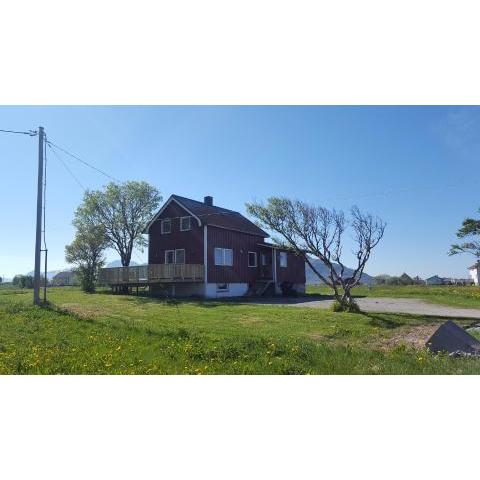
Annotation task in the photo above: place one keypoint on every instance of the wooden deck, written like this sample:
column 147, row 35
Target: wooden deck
column 148, row 274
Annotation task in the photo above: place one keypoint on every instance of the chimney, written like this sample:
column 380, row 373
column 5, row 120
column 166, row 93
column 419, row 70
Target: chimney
column 208, row 200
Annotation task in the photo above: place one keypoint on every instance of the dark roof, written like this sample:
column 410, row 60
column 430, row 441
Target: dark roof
column 219, row 216
column 200, row 208
column 476, row 265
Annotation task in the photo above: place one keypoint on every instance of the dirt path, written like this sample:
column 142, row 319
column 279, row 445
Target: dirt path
column 386, row 305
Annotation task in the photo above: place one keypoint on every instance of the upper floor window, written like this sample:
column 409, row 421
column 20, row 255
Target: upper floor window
column 185, row 223
column 166, row 226
column 223, row 256
column 283, row 259
column 252, row 259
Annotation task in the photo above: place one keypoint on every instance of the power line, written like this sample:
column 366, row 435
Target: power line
column 83, row 161
column 66, row 167
column 32, row 133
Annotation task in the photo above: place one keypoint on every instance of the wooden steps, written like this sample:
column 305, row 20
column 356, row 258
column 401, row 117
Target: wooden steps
column 261, row 288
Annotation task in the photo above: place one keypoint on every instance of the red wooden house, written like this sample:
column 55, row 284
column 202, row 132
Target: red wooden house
column 196, row 248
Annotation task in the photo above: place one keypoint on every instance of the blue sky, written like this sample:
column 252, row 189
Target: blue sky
column 416, row 167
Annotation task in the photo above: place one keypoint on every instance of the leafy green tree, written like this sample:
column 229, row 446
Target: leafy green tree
column 123, row 211
column 86, row 253
column 311, row 230
column 23, row 281
column 470, row 232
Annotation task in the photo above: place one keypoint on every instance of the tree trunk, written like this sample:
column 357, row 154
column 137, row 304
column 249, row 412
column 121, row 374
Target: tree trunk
column 347, row 301
column 125, row 258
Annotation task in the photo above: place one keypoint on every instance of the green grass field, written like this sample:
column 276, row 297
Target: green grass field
column 455, row 296
column 116, row 334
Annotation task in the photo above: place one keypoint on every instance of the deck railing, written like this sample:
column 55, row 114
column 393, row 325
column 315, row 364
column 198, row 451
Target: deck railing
column 171, row 272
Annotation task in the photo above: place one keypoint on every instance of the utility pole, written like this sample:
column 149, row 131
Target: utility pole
column 38, row 238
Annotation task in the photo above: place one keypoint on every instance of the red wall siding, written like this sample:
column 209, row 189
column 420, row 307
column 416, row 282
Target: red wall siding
column 241, row 243
column 294, row 271
column 191, row 240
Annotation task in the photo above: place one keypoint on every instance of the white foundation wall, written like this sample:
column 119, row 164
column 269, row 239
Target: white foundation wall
column 234, row 290
column 180, row 289
column 474, row 274
column 299, row 287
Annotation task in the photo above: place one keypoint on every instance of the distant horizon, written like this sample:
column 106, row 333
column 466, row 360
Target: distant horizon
column 134, row 263
column 412, row 166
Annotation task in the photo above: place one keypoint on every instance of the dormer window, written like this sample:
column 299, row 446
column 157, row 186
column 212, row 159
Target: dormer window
column 185, row 224
column 166, row 226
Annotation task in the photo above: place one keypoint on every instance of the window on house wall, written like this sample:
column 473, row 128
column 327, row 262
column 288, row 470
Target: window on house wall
column 283, row 259
column 228, row 256
column 180, row 255
column 222, row 287
column 223, row 256
column 169, row 256
column 252, row 259
column 218, row 256
column 166, row 226
column 264, row 259
column 185, row 223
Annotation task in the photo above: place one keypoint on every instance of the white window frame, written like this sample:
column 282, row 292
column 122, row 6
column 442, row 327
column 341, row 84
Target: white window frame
column 164, row 222
column 285, row 256
column 179, row 250
column 255, row 263
column 189, row 223
column 226, row 289
column 223, row 256
column 166, row 254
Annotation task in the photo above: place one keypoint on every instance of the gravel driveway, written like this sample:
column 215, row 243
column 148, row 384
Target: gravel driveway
column 388, row 305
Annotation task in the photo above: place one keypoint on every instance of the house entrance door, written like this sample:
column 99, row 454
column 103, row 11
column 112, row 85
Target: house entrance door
column 266, row 272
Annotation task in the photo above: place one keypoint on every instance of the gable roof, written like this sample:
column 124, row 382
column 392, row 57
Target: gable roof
column 212, row 215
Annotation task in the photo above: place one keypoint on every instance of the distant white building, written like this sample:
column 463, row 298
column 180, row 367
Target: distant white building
column 474, row 272
column 435, row 280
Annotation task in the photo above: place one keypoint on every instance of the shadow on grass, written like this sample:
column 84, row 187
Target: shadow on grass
column 325, row 296
column 144, row 297
column 176, row 302
column 381, row 320
column 377, row 320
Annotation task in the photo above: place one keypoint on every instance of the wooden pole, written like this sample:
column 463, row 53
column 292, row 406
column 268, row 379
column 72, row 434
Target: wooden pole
column 38, row 236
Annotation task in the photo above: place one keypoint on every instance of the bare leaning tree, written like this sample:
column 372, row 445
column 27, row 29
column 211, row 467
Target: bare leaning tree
column 315, row 231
